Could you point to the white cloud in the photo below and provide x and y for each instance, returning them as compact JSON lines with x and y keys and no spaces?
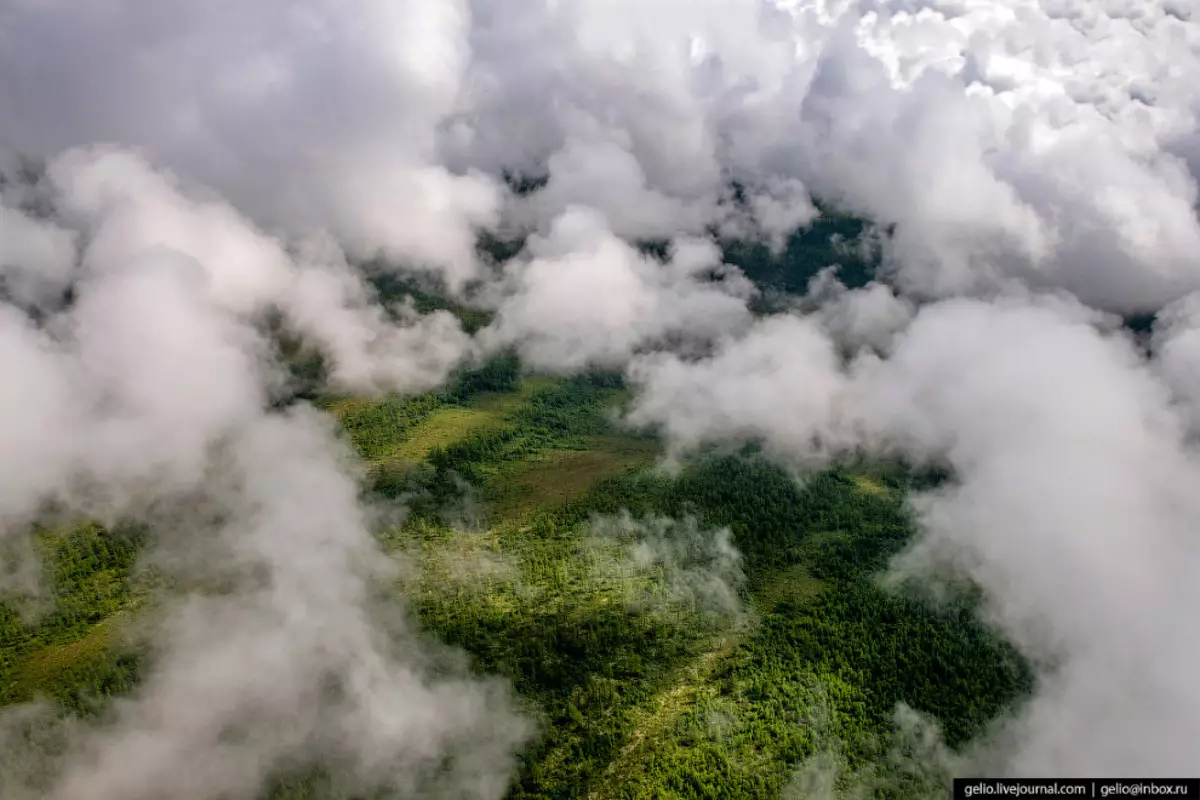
{"x":1017,"y":147}
{"x":586,"y":297}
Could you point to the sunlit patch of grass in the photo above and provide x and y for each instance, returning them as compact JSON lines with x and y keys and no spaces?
{"x":341,"y":407}
{"x":509,"y":402}
{"x":376,"y":428}
{"x":407,"y":429}
{"x":452,"y":424}
{"x":444,"y":427}
{"x":869,"y":485}
{"x":54,"y":667}
{"x":558,"y":477}
{"x":793,"y":585}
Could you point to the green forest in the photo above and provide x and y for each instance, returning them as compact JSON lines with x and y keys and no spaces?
{"x":709,"y":632}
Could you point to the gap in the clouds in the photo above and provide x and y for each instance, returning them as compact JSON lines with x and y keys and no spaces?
{"x":836,"y":238}
{"x":678,"y":702}
{"x":638,"y":701}
{"x":523,"y":184}
{"x":844,"y":245}
{"x":529,"y":514}
{"x":645,"y":700}
{"x":834,"y":241}
{"x":1141,"y":328}
{"x":426,"y":297}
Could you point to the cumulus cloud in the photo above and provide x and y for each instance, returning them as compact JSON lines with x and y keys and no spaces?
{"x":1072,"y":506}
{"x":868,"y":317}
{"x":370,"y":348}
{"x":290,"y":665}
{"x":125,"y":207}
{"x":1047,"y":142}
{"x":781,"y":382}
{"x":584,"y":296}
{"x":1176,"y":345}
{"x":307,"y":116}
{"x":1042,"y":142}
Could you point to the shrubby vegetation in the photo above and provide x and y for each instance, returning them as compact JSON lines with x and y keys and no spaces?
{"x":647,"y":705}
{"x":835,"y":239}
{"x":68,"y":651}
{"x":824,"y":626}
{"x":499,"y":374}
{"x":568,"y":415}
{"x":393,"y":288}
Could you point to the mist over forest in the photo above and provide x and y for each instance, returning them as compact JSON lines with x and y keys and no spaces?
{"x":466,"y":400}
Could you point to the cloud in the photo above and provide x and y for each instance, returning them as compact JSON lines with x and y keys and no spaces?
{"x":1046,"y":142}
{"x":1176,"y":345}
{"x":1036,"y":159}
{"x":869,"y":317}
{"x":370,"y":348}
{"x":126,"y":207}
{"x":37,"y":258}
{"x":584,"y":296}
{"x":781,"y":382}
{"x":306,"y":116}
{"x":1072,"y":508}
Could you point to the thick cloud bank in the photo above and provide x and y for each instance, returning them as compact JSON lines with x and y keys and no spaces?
{"x":180,"y":176}
{"x":306,"y":115}
{"x":1047,"y":141}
